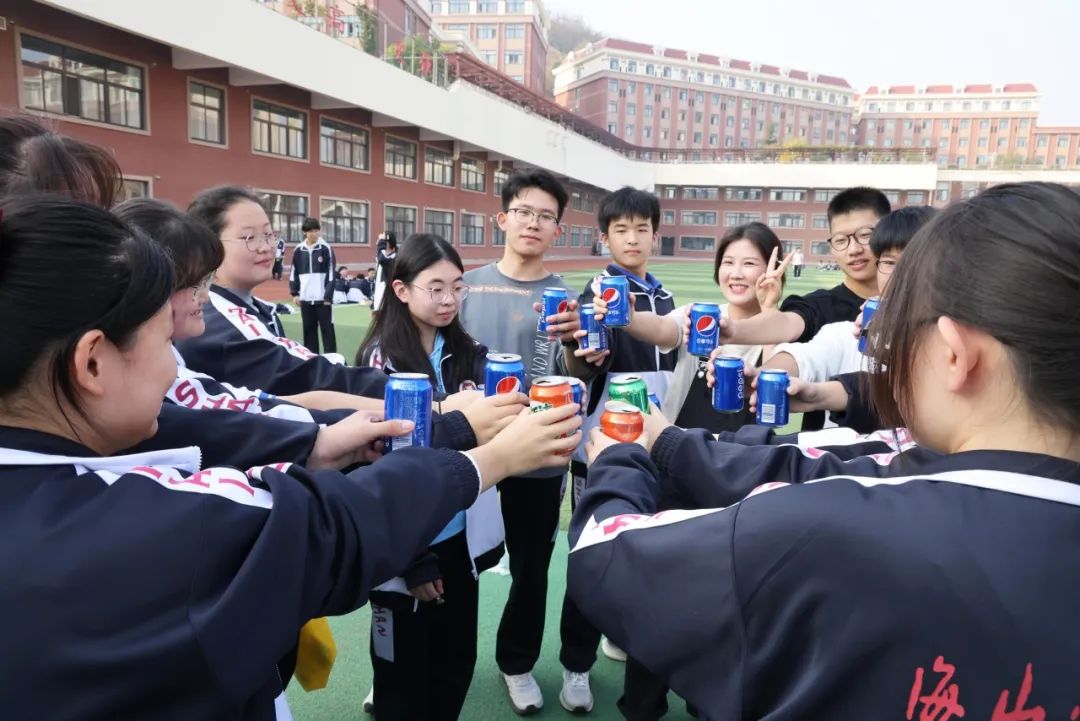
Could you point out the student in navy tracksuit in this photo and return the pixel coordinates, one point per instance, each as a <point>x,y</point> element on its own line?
<point>141,586</point>
<point>629,223</point>
<point>930,586</point>
<point>423,670</point>
<point>244,343</point>
<point>311,285</point>
<point>279,258</point>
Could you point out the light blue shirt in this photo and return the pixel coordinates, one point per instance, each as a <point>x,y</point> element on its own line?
<point>457,523</point>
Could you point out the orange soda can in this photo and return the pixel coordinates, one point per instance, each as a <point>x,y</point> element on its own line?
<point>550,392</point>
<point>622,421</point>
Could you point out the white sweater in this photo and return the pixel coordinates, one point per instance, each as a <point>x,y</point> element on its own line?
<point>834,350</point>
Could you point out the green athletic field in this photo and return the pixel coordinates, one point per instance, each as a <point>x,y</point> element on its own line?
<point>487,700</point>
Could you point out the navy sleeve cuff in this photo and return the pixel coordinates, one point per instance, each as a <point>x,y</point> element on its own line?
<point>452,430</point>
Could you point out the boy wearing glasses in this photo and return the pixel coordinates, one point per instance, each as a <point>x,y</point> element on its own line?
<point>501,313</point>
<point>853,213</point>
<point>311,285</point>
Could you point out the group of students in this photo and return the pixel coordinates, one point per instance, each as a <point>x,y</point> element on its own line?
<point>913,559</point>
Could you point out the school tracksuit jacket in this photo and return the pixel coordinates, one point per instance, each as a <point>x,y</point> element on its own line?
<point>889,586</point>
<point>313,275</point>
<point>140,587</point>
<point>245,345</point>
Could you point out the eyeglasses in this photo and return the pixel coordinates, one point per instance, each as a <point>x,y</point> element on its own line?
<point>203,285</point>
<point>527,216</point>
<point>440,295</point>
<point>841,241</point>
<point>255,242</point>
<point>886,265</point>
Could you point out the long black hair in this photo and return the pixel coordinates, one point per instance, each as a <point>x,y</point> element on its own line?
<point>1006,262</point>
<point>113,277</point>
<point>394,331</point>
<point>195,250</point>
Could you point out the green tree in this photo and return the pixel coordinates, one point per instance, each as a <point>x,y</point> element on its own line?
<point>369,28</point>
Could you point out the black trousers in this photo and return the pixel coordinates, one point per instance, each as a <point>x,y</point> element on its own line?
<point>278,266</point>
<point>798,270</point>
<point>530,508</point>
<point>318,317</point>
<point>423,659</point>
<point>579,638</point>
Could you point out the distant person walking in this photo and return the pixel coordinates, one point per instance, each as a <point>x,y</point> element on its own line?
<point>797,262</point>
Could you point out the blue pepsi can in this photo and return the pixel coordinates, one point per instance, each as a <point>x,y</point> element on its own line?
<point>704,329</point>
<point>504,373</point>
<point>596,337</point>
<point>555,301</point>
<point>408,398</point>
<point>615,291</point>
<point>772,398</point>
<point>729,391</point>
<point>871,307</point>
<point>581,394</point>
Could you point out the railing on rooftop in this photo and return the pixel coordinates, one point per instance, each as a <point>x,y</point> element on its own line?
<point>442,65</point>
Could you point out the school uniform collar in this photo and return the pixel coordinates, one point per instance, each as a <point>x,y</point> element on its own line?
<point>649,284</point>
<point>320,242</point>
<point>1019,462</point>
<point>259,306</point>
<point>27,447</point>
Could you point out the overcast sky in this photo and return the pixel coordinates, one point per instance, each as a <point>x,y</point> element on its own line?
<point>871,42</point>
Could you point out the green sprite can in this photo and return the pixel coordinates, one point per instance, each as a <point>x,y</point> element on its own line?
<point>630,389</point>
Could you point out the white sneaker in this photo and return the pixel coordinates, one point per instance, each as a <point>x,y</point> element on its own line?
<point>369,702</point>
<point>525,695</point>
<point>612,651</point>
<point>576,696</point>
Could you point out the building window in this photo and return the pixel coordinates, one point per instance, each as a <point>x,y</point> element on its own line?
<point>787,220</point>
<point>206,113</point>
<point>487,32</point>
<point>287,213</point>
<point>399,160</point>
<point>825,195</point>
<point>575,236</point>
<point>401,221</point>
<point>743,194</point>
<point>440,223</point>
<point>790,246</point>
<point>278,131</point>
<point>344,221</point>
<point>343,145</point>
<point>1023,122</point>
<point>692,193</point>
<point>498,235</point>
<point>732,219</point>
<point>893,196</point>
<point>1063,141</point>
<point>820,222</point>
<point>436,8</point>
<point>472,175</point>
<point>438,167</point>
<point>820,247</point>
<point>669,217</point>
<point>487,6</point>
<point>132,188</point>
<point>698,217</point>
<point>501,175</point>
<point>789,195</point>
<point>515,32</point>
<point>514,58</point>
<point>472,229</point>
<point>915,197</point>
<point>515,6</point>
<point>696,242</point>
<point>62,80</point>
<point>459,7</point>
<point>941,192</point>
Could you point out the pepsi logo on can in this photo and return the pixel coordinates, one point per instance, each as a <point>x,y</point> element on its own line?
<point>555,301</point>
<point>615,292</point>
<point>704,329</point>
<point>504,373</point>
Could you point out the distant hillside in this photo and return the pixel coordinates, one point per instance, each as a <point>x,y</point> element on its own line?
<point>567,32</point>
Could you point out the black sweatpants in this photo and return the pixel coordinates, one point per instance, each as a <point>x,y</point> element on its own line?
<point>530,508</point>
<point>318,317</point>
<point>423,659</point>
<point>277,269</point>
<point>579,638</point>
